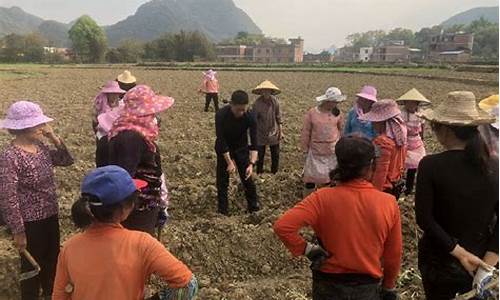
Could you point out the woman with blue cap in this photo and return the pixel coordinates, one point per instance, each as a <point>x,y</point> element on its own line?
<point>107,261</point>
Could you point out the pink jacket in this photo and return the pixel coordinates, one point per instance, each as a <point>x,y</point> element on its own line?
<point>210,86</point>
<point>320,132</point>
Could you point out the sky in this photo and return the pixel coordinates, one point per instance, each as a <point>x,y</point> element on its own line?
<point>321,23</point>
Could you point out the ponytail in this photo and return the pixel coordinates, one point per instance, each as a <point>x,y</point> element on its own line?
<point>476,150</point>
<point>83,213</point>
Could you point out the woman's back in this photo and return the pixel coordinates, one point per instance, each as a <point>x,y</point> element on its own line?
<point>110,262</point>
<point>462,200</point>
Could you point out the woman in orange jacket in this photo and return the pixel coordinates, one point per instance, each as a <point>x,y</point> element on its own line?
<point>390,142</point>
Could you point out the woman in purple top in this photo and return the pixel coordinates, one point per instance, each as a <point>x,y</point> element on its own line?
<point>28,201</point>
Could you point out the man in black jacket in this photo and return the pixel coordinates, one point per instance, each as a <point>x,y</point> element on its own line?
<point>233,124</point>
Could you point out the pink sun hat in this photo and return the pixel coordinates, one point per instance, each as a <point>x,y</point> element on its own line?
<point>142,101</point>
<point>112,87</point>
<point>24,114</point>
<point>368,92</point>
<point>210,74</point>
<point>382,110</point>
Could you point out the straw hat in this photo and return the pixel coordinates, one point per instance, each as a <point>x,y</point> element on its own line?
<point>413,95</point>
<point>487,104</point>
<point>332,94</point>
<point>382,110</point>
<point>126,77</point>
<point>266,85</point>
<point>460,110</point>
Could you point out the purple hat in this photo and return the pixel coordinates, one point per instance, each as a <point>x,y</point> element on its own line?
<point>382,110</point>
<point>142,101</point>
<point>112,87</point>
<point>24,114</point>
<point>368,92</point>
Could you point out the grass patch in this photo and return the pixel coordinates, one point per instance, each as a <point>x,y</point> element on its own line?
<point>6,74</point>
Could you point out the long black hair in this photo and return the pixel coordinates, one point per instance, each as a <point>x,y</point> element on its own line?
<point>354,154</point>
<point>476,150</point>
<point>83,213</point>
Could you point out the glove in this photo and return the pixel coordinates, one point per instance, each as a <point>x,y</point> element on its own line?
<point>389,294</point>
<point>316,254</point>
<point>481,279</point>
<point>162,218</point>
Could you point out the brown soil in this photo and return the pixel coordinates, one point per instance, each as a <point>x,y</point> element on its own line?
<point>235,257</point>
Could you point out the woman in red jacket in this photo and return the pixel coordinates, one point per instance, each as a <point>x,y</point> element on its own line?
<point>358,227</point>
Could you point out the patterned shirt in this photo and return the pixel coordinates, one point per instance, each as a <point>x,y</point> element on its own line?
<point>27,184</point>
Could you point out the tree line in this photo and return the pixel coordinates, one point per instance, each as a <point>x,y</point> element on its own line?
<point>485,38</point>
<point>90,45</point>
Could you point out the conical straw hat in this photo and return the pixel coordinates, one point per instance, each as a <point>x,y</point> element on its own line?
<point>266,85</point>
<point>126,77</point>
<point>413,95</point>
<point>459,109</point>
<point>489,103</point>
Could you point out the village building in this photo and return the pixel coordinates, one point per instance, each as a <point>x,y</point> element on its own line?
<point>323,57</point>
<point>391,51</point>
<point>451,47</point>
<point>270,52</point>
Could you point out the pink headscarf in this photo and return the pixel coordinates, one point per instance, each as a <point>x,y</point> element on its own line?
<point>101,100</point>
<point>396,130</point>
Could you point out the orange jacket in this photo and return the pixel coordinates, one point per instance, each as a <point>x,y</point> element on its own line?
<point>358,225</point>
<point>390,163</point>
<point>108,261</point>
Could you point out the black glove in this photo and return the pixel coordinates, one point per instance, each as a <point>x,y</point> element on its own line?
<point>316,254</point>
<point>389,294</point>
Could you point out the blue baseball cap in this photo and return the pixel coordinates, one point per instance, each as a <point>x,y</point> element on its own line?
<point>110,184</point>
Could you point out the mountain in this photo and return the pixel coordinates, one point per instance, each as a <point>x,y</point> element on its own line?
<point>467,17</point>
<point>55,32</point>
<point>218,19</point>
<point>16,20</point>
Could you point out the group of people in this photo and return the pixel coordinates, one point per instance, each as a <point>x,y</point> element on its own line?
<point>355,169</point>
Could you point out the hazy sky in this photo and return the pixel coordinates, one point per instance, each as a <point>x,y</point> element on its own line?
<point>320,22</point>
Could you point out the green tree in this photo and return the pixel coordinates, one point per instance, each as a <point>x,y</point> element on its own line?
<point>13,48</point>
<point>182,46</point>
<point>129,51</point>
<point>33,47</point>
<point>371,38</point>
<point>88,40</point>
<point>402,34</point>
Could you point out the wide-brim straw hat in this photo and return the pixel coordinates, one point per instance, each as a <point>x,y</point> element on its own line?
<point>266,85</point>
<point>413,95</point>
<point>142,101</point>
<point>23,115</point>
<point>487,104</point>
<point>381,110</point>
<point>332,94</point>
<point>460,109</point>
<point>126,77</point>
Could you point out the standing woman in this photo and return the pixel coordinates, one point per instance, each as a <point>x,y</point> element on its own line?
<point>489,132</point>
<point>269,130</point>
<point>28,200</point>
<point>456,201</point>
<point>107,261</point>
<point>107,106</point>
<point>390,141</point>
<point>354,125</point>
<point>126,80</point>
<point>416,148</point>
<point>132,146</point>
<point>210,87</point>
<point>320,133</point>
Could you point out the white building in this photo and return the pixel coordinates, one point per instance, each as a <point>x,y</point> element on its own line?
<point>365,53</point>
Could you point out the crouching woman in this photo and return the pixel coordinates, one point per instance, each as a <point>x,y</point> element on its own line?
<point>107,261</point>
<point>358,228</point>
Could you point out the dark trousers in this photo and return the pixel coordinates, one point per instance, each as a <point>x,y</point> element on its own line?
<point>43,244</point>
<point>102,152</point>
<point>442,275</point>
<point>241,158</point>
<point>333,289</point>
<point>209,97</point>
<point>275,158</point>
<point>410,181</point>
<point>142,220</point>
